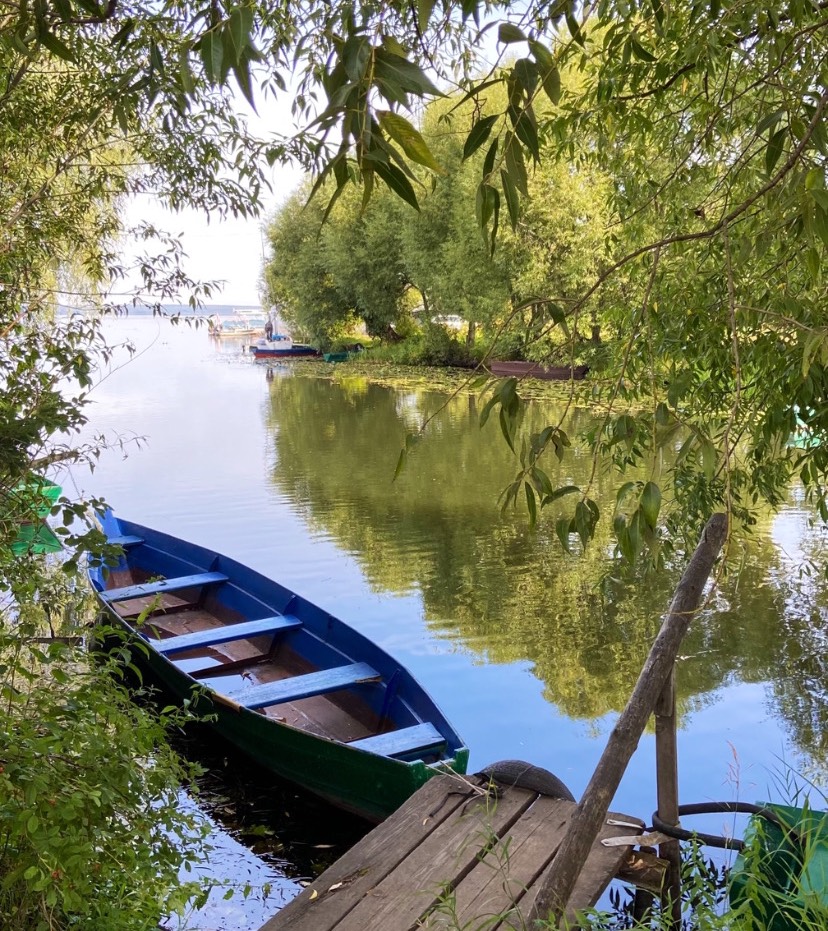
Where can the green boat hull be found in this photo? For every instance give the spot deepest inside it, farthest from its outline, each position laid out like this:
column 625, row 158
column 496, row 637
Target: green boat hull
column 783, row 883
column 366, row 784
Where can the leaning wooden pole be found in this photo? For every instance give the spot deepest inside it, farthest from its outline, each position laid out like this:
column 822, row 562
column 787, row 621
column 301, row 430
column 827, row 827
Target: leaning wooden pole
column 559, row 881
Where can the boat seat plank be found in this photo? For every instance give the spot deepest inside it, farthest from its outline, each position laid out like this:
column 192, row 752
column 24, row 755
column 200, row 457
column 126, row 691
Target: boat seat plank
column 405, row 740
column 162, row 585
column 218, row 635
column 126, row 541
column 312, row 683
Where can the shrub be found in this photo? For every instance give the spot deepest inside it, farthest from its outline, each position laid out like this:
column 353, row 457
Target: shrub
column 91, row 834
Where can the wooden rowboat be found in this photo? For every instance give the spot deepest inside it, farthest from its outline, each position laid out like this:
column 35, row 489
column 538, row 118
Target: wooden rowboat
column 293, row 687
column 539, row 370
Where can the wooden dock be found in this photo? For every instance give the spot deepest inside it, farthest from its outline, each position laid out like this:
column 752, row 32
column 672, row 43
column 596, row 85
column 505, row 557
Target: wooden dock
column 454, row 851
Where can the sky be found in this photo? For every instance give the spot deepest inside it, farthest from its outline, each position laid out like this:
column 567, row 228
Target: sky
column 231, row 250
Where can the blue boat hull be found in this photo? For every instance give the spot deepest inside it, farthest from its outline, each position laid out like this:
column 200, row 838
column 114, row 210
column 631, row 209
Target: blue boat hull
column 394, row 738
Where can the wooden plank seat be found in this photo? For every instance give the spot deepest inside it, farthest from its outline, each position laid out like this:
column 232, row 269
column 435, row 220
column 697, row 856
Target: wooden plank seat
column 418, row 737
column 218, row 635
column 163, row 585
column 312, row 683
column 126, row 541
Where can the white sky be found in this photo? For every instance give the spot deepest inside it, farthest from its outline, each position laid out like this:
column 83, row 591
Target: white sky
column 231, row 250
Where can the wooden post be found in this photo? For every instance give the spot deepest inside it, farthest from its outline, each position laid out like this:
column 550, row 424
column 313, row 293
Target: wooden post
column 556, row 886
column 667, row 794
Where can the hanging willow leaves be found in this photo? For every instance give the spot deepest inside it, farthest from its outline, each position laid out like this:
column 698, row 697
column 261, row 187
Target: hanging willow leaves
column 511, row 195
column 397, row 181
column 478, row 134
column 508, row 33
column 409, row 138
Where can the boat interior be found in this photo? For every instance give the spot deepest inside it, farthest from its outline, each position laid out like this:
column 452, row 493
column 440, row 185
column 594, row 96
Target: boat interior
column 273, row 664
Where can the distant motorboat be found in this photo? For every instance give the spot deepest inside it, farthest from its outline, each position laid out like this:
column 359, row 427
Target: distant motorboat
column 282, row 347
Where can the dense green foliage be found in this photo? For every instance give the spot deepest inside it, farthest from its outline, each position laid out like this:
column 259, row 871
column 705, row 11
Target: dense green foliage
column 89, row 812
column 91, row 832
column 705, row 125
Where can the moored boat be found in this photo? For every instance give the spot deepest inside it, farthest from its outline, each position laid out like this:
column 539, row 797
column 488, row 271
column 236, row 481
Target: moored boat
column 539, row 370
column 282, row 347
column 293, row 687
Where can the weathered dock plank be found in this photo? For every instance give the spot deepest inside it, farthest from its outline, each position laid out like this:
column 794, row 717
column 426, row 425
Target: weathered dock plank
column 452, row 853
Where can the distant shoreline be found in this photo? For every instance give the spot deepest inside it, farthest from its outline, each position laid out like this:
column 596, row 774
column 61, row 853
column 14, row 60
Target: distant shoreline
column 142, row 310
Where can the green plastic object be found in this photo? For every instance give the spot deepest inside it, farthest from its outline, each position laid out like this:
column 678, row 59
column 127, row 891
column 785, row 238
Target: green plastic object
column 781, row 876
column 35, row 498
column 36, row 538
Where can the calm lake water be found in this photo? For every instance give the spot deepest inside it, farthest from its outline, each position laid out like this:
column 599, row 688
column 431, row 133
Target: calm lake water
column 530, row 652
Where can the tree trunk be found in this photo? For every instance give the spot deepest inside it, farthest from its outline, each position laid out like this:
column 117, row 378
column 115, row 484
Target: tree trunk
column 471, row 336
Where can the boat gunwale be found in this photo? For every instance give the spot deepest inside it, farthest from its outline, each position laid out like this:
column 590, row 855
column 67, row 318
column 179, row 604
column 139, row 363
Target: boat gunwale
column 268, row 594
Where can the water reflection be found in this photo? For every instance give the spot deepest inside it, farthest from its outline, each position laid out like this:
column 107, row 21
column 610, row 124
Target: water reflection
column 267, row 837
column 512, row 595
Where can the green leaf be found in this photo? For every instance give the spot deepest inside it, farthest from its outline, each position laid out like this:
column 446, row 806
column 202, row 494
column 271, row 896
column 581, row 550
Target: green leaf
column 651, row 503
column 707, row 457
column 485, row 204
column 561, row 492
column 551, row 81
column 624, row 491
column 540, row 480
column 584, row 523
column 487, row 409
column 56, row 47
column 398, row 182
column 526, row 131
column 508, row 33
column 774, row 150
column 531, row 504
column 411, row 141
column 356, row 54
column 515, row 164
column 212, row 55
column 563, row 527
column 404, row 73
column 526, row 72
column 769, row 121
column 185, row 75
column 478, row 135
column 424, row 11
column 813, row 345
column 640, row 52
column 511, row 195
column 488, row 162
column 242, row 72
column 574, row 28
column 507, row 428
column 392, row 45
column 813, row 262
column 238, row 30
column 548, row 71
